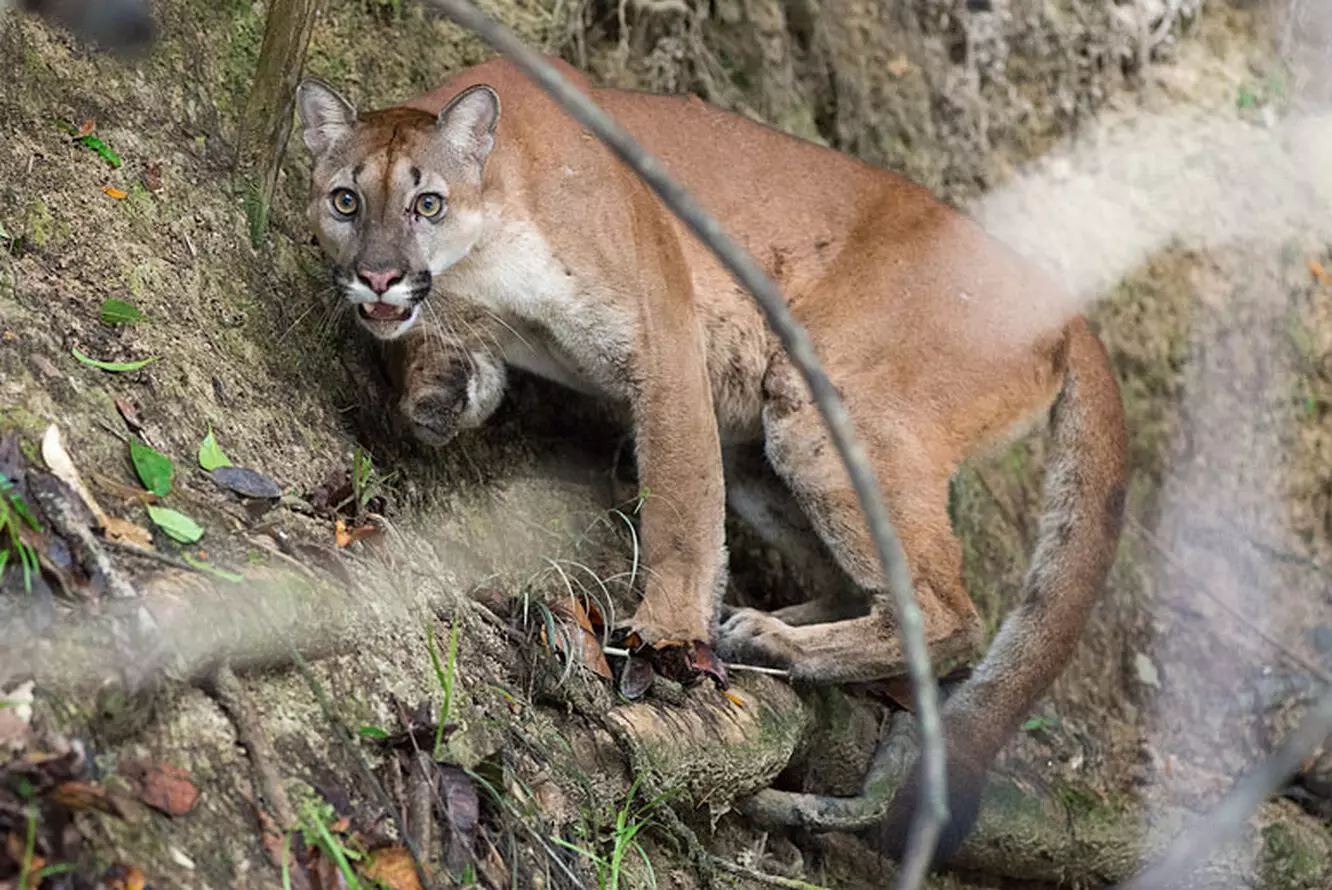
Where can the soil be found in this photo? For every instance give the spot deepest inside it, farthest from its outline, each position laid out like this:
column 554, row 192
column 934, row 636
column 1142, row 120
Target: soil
column 1192, row 666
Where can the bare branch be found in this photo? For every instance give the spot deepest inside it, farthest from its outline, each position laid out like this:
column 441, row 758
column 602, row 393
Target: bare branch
column 927, row 821
column 1227, row 821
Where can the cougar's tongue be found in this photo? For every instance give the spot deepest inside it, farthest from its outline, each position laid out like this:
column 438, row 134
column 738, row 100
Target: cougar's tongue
column 383, row 311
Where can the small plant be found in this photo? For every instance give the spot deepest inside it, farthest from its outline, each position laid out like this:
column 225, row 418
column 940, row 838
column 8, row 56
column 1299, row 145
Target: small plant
column 367, row 482
column 629, row 824
column 14, row 514
column 315, row 821
column 444, row 676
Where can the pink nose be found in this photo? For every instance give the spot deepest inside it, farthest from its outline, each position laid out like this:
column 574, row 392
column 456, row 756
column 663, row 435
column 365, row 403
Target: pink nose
column 379, row 281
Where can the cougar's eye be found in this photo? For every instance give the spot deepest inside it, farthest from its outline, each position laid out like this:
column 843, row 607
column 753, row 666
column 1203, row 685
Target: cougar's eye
column 345, row 202
column 429, row 205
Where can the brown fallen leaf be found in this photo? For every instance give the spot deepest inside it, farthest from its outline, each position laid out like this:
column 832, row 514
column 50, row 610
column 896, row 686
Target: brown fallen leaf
column 82, row 796
column 115, row 193
column 129, row 493
column 735, row 699
column 57, row 458
column 393, row 867
column 636, row 677
column 463, row 809
column 88, row 126
column 130, row 414
column 161, row 786
column 152, row 176
column 126, row 532
column 346, row 537
column 1319, row 272
column 493, row 867
column 580, row 633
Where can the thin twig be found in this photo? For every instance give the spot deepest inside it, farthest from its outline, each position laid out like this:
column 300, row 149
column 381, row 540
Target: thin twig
column 1225, row 822
column 730, row 666
column 1299, row 660
column 226, row 688
column 154, row 555
column 929, row 819
column 736, row 868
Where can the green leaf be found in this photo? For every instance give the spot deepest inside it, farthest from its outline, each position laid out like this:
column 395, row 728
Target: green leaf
column 107, row 154
column 211, row 455
column 210, row 569
column 372, row 732
column 113, row 366
column 120, row 312
column 1036, row 723
column 154, row 468
column 176, row 525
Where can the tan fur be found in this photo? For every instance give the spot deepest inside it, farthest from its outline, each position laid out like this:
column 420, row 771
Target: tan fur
column 941, row 341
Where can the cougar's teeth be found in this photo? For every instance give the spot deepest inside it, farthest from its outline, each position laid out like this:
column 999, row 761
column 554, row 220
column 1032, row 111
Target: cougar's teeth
column 384, row 311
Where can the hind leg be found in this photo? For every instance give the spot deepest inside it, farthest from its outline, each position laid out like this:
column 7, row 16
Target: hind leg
column 761, row 499
column 915, row 484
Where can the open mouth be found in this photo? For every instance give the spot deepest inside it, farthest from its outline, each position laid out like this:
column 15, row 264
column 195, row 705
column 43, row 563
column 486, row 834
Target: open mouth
column 383, row 311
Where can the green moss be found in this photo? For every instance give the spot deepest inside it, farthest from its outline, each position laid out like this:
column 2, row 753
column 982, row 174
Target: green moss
column 1290, row 861
column 39, row 226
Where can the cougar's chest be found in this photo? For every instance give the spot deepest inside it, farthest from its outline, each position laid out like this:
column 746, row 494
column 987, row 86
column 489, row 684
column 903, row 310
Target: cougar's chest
column 564, row 328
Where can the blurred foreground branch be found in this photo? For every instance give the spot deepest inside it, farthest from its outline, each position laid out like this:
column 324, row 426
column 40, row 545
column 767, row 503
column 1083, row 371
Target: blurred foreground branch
column 929, row 819
column 1226, row 822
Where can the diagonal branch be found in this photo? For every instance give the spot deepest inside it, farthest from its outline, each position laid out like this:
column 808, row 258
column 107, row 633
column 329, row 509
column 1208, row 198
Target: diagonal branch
column 929, row 819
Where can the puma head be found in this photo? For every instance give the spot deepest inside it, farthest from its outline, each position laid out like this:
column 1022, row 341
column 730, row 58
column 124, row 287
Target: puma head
column 395, row 195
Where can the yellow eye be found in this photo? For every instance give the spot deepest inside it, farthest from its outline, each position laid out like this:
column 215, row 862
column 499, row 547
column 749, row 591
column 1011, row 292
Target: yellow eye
column 345, row 202
column 429, row 205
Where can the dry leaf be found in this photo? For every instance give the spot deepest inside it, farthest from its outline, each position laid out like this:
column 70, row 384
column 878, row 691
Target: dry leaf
column 345, row 537
column 463, row 808
column 162, row 786
column 152, row 176
column 899, row 66
column 82, row 796
column 1319, row 272
column 493, row 867
column 126, row 532
column 393, row 867
column 115, row 193
column 130, row 414
column 636, row 677
column 125, row 492
column 88, row 126
column 578, row 626
column 53, row 452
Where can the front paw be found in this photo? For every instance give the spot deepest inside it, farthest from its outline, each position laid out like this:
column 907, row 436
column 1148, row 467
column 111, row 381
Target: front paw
column 432, row 412
column 749, row 636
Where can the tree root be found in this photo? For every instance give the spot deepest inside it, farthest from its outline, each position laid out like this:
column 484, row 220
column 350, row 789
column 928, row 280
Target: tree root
column 718, row 752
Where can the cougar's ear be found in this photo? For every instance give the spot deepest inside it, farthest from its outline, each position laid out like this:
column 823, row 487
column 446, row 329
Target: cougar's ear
column 468, row 122
column 325, row 115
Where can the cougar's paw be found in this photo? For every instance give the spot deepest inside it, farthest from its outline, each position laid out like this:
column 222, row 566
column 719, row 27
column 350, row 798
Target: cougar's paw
column 433, row 411
column 753, row 637
column 684, row 661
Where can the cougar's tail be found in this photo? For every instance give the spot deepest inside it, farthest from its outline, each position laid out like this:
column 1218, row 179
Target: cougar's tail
column 1078, row 534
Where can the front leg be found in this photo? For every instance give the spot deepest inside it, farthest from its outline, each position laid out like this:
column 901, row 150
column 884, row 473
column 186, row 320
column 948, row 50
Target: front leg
column 447, row 382
column 680, row 477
